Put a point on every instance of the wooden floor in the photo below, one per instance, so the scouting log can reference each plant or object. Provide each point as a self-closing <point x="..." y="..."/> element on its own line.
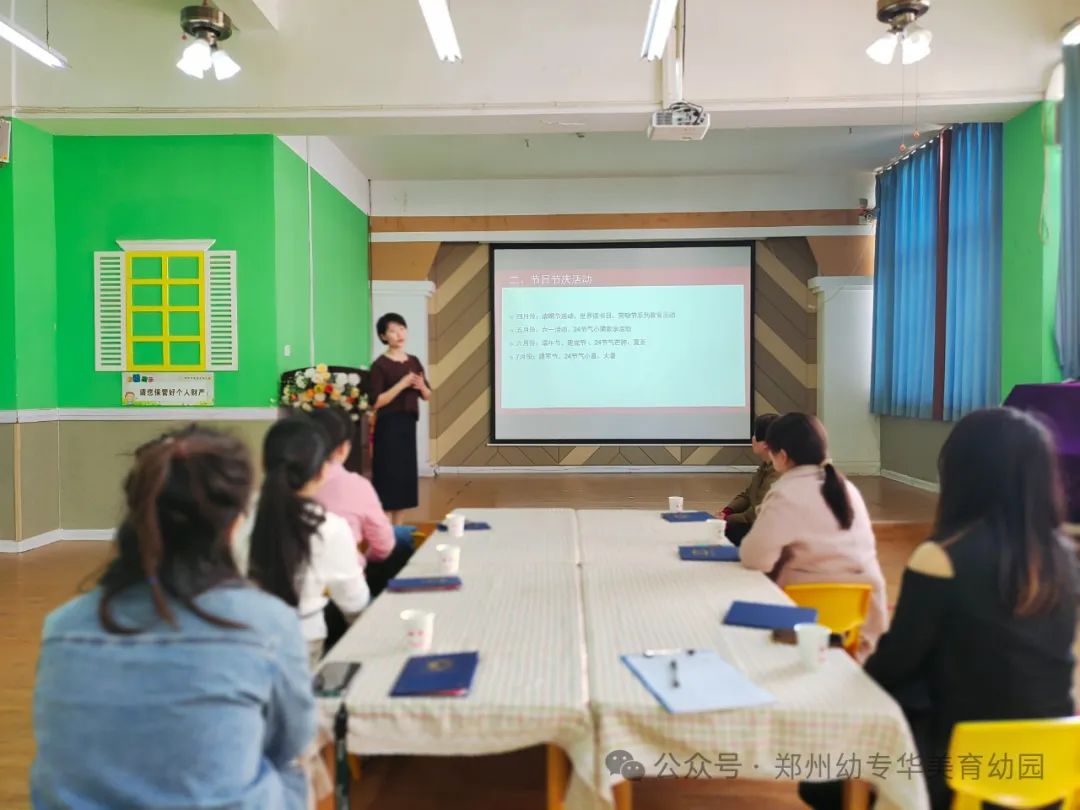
<point x="33" y="583"/>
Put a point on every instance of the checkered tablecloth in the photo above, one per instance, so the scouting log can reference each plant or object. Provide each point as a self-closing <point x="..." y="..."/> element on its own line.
<point x="638" y="595"/>
<point x="520" y="607"/>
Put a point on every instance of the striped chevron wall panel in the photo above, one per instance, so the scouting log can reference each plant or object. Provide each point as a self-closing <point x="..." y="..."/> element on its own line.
<point x="460" y="327"/>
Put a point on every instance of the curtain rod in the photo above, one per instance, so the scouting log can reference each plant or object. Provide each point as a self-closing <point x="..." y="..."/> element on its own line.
<point x="896" y="161"/>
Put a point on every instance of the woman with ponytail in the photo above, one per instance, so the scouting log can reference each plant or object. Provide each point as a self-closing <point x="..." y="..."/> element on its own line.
<point x="813" y="526"/>
<point x="174" y="683"/>
<point x="295" y="549"/>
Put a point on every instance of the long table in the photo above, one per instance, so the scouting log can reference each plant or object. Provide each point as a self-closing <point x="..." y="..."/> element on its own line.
<point x="551" y="600"/>
<point x="638" y="595"/>
<point x="520" y="607"/>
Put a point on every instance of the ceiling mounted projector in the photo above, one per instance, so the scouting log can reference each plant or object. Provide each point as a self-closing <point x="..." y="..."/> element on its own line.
<point x="207" y="26"/>
<point x="682" y="121"/>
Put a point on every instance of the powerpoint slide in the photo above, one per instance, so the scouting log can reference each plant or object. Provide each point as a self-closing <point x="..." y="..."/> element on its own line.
<point x="622" y="343"/>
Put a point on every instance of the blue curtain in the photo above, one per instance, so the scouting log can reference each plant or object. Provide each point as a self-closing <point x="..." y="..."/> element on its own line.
<point x="973" y="306"/>
<point x="1067" y="322"/>
<point x="905" y="278"/>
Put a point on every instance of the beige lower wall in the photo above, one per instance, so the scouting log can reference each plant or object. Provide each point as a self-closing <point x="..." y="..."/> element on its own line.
<point x="911" y="446"/>
<point x="39" y="477"/>
<point x="95" y="457"/>
<point x="7" y="482"/>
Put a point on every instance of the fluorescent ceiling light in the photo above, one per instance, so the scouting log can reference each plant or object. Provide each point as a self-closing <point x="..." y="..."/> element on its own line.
<point x="915" y="44"/>
<point x="31" y="45"/>
<point x="658" y="28"/>
<point x="1071" y="33"/>
<point x="197" y="59"/>
<point x="441" y="27"/>
<point x="883" y="48"/>
<point x="225" y="66"/>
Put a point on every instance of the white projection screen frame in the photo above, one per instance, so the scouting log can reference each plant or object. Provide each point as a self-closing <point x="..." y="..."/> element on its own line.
<point x="544" y="400"/>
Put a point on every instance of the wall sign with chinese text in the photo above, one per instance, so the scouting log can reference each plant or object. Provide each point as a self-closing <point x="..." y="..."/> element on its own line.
<point x="159" y="389"/>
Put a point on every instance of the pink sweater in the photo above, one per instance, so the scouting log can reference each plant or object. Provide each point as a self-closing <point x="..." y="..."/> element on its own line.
<point x="797" y="539"/>
<point x="353" y="497"/>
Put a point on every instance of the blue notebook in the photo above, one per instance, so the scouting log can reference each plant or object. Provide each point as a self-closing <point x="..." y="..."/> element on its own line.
<point x="769" y="617"/>
<point x="448" y="675"/>
<point x="700" y="681"/>
<point x="408" y="584"/>
<point x="709" y="553"/>
<point x="686" y="517"/>
<point x="470" y="526"/>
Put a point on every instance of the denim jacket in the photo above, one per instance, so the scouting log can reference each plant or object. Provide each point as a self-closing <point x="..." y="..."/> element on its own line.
<point x="194" y="717"/>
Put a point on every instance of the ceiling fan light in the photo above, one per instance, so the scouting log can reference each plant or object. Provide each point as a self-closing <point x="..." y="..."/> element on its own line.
<point x="1070" y="34"/>
<point x="915" y="44"/>
<point x="196" y="59"/>
<point x="883" y="49"/>
<point x="225" y="67"/>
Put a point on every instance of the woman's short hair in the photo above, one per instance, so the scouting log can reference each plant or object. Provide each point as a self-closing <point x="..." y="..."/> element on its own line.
<point x="384" y="323"/>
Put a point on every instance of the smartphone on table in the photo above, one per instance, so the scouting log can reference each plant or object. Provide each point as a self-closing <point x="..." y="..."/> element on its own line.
<point x="333" y="678"/>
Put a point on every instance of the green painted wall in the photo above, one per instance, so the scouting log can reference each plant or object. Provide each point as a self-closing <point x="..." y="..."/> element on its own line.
<point x="1031" y="227"/>
<point x="34" y="261"/>
<point x="342" y="287"/>
<point x="219" y="187"/>
<point x="7" y="292"/>
<point x="293" y="281"/>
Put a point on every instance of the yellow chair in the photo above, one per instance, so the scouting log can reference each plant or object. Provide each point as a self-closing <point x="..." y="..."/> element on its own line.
<point x="841" y="606"/>
<point x="1016" y="764"/>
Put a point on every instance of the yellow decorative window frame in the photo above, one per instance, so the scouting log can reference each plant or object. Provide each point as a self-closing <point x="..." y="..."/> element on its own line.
<point x="165" y="309"/>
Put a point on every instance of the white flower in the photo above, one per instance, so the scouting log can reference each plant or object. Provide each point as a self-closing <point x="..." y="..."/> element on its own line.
<point x="301" y="380"/>
<point x="310" y="373"/>
<point x="354" y="379"/>
<point x="320" y="397"/>
<point x="340" y="379"/>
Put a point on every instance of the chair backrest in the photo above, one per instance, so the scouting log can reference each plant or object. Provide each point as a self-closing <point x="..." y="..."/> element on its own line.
<point x="841" y="606"/>
<point x="1016" y="763"/>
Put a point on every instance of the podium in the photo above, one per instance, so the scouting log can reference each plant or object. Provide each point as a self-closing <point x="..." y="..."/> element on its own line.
<point x="359" y="460"/>
<point x="1058" y="406"/>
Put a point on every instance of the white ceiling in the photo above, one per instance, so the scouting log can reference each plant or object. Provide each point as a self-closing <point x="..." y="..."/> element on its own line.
<point x="365" y="72"/>
<point x="819" y="150"/>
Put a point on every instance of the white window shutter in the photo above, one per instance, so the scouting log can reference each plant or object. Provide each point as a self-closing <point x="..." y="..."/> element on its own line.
<point x="220" y="310"/>
<point x="110" y="334"/>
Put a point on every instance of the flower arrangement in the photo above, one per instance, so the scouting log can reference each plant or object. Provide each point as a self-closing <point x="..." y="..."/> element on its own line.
<point x="317" y="388"/>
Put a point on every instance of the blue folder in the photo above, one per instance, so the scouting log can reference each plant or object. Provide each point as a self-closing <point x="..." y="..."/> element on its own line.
<point x="686" y="517"/>
<point x="709" y="553"/>
<point x="407" y="584"/>
<point x="448" y="675"/>
<point x="769" y="617"/>
<point x="470" y="526"/>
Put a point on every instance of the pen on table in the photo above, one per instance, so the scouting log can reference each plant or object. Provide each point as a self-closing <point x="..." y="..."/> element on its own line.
<point x="674" y="673"/>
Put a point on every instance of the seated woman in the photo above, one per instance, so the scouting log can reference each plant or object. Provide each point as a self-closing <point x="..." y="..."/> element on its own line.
<point x="174" y="683"/>
<point x="986" y="621"/>
<point x="351" y="496"/>
<point x="742" y="511"/>
<point x="295" y="549"/>
<point x="813" y="526"/>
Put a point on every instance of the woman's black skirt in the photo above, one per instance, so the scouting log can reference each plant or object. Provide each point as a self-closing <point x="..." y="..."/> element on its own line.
<point x="393" y="462"/>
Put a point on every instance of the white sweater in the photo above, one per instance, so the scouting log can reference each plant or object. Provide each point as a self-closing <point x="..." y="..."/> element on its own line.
<point x="334" y="572"/>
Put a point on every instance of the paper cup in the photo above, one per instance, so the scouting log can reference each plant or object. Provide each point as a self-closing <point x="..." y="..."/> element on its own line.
<point x="675" y="503"/>
<point x="419" y="629"/>
<point x="455" y="525"/>
<point x="449" y="558"/>
<point x="813" y="641"/>
<point x="718" y="526"/>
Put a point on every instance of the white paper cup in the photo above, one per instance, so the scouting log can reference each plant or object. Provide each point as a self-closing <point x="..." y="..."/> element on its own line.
<point x="455" y="525"/>
<point x="449" y="558"/>
<point x="718" y="526"/>
<point x="813" y="641"/>
<point x="675" y="503"/>
<point x="419" y="629"/>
